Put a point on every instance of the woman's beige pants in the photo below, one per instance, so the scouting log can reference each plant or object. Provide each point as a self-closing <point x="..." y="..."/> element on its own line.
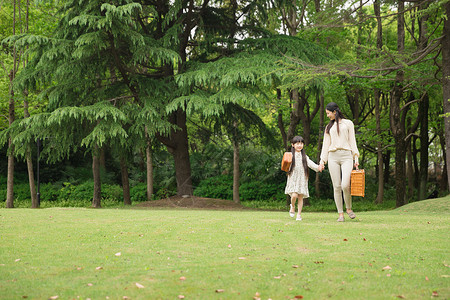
<point x="340" y="165"/>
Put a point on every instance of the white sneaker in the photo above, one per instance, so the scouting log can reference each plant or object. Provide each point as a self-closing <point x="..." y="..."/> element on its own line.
<point x="299" y="218"/>
<point x="292" y="214"/>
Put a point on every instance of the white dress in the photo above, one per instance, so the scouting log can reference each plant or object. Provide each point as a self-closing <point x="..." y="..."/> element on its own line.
<point x="297" y="181"/>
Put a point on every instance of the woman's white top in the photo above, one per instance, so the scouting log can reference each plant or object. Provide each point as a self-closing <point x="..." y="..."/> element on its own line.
<point x="345" y="140"/>
<point x="297" y="181"/>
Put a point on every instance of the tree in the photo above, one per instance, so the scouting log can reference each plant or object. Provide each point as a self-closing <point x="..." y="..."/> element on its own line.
<point x="98" y="52"/>
<point x="446" y="84"/>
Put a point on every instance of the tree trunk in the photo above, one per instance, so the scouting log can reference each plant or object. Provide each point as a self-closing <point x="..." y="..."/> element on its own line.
<point x="280" y="123"/>
<point x="11" y="118"/>
<point x="125" y="181"/>
<point x="409" y="166"/>
<point x="34" y="201"/>
<point x="10" y="179"/>
<point x="306" y="116"/>
<point x="387" y="166"/>
<point x="380" y="194"/>
<point x="423" y="173"/>
<point x="396" y="121"/>
<point x="149" y="164"/>
<point x="96" y="200"/>
<point x="180" y="152"/>
<point x="10" y="176"/>
<point x="423" y="112"/>
<point x="320" y="140"/>
<point x="446" y="86"/>
<point x="236" y="174"/>
<point x="295" y="117"/>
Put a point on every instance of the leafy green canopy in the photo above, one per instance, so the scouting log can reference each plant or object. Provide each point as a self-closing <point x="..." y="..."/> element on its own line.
<point x="99" y="52"/>
<point x="240" y="78"/>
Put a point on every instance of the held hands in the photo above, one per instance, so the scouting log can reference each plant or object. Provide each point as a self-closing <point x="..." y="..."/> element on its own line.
<point x="321" y="167"/>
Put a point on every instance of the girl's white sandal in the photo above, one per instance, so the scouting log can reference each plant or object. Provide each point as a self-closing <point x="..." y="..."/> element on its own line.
<point x="299" y="218"/>
<point x="292" y="214"/>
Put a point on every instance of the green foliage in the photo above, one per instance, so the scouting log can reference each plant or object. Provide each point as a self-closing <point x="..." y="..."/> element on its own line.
<point x="220" y="187"/>
<point x="138" y="193"/>
<point x="66" y="195"/>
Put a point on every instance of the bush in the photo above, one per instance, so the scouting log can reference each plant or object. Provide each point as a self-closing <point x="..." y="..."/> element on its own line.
<point x="138" y="193"/>
<point x="220" y="187"/>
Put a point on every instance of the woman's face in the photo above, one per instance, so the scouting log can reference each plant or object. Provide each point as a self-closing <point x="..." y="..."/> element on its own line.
<point x="331" y="114"/>
<point x="298" y="146"/>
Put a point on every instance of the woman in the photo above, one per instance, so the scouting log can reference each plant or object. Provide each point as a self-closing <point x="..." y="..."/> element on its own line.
<point x="340" y="151"/>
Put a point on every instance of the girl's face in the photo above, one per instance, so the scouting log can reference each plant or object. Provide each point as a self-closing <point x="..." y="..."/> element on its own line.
<point x="331" y="114"/>
<point x="298" y="146"/>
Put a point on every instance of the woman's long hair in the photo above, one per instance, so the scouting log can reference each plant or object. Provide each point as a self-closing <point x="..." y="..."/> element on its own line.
<point x="297" y="139"/>
<point x="334" y="107"/>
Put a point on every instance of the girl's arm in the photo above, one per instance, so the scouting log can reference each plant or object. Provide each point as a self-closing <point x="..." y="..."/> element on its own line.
<point x="312" y="165"/>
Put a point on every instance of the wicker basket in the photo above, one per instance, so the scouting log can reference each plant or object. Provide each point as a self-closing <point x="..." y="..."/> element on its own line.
<point x="357" y="183"/>
<point x="286" y="162"/>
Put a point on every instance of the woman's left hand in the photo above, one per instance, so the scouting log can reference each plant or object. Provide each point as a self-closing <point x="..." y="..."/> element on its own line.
<point x="356" y="165"/>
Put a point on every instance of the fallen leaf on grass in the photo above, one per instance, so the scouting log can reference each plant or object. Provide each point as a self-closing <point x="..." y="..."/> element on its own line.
<point x="387" y="268"/>
<point x="277" y="277"/>
<point x="426" y="278"/>
<point x="53" y="297"/>
<point x="17" y="260"/>
<point x="445" y="276"/>
<point x="401" y="296"/>
<point x="90" y="284"/>
<point x="118" y="254"/>
<point x="220" y="291"/>
<point x="125" y="298"/>
<point x="180" y="297"/>
<point x="298" y="297"/>
<point x="24" y="297"/>
<point x="345" y="240"/>
<point x="182" y="278"/>
<point x="435" y="294"/>
<point x="242" y="258"/>
<point x="229" y="246"/>
<point x="140" y="286"/>
<point x="388" y="275"/>
<point x="99" y="268"/>
<point x="318" y="262"/>
<point x="295" y="266"/>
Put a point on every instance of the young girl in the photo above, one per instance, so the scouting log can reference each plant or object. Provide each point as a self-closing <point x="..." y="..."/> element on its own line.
<point x="297" y="181"/>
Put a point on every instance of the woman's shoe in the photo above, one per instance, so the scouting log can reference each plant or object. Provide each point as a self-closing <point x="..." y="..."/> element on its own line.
<point x="292" y="214"/>
<point x="299" y="218"/>
<point x="340" y="219"/>
<point x="351" y="214"/>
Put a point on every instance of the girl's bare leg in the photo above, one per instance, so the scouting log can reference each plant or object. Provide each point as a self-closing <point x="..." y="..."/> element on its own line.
<point x="300" y="204"/>
<point x="294" y="197"/>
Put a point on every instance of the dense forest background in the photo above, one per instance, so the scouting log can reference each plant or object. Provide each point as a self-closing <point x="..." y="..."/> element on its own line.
<point x="138" y="100"/>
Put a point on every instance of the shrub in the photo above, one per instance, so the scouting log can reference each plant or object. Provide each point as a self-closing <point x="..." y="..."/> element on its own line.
<point x="138" y="193"/>
<point x="220" y="187"/>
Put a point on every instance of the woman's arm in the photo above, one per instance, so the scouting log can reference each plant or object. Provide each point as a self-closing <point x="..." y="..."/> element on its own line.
<point x="352" y="142"/>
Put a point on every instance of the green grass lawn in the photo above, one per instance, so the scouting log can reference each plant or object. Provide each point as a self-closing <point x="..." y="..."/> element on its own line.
<point x="78" y="253"/>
